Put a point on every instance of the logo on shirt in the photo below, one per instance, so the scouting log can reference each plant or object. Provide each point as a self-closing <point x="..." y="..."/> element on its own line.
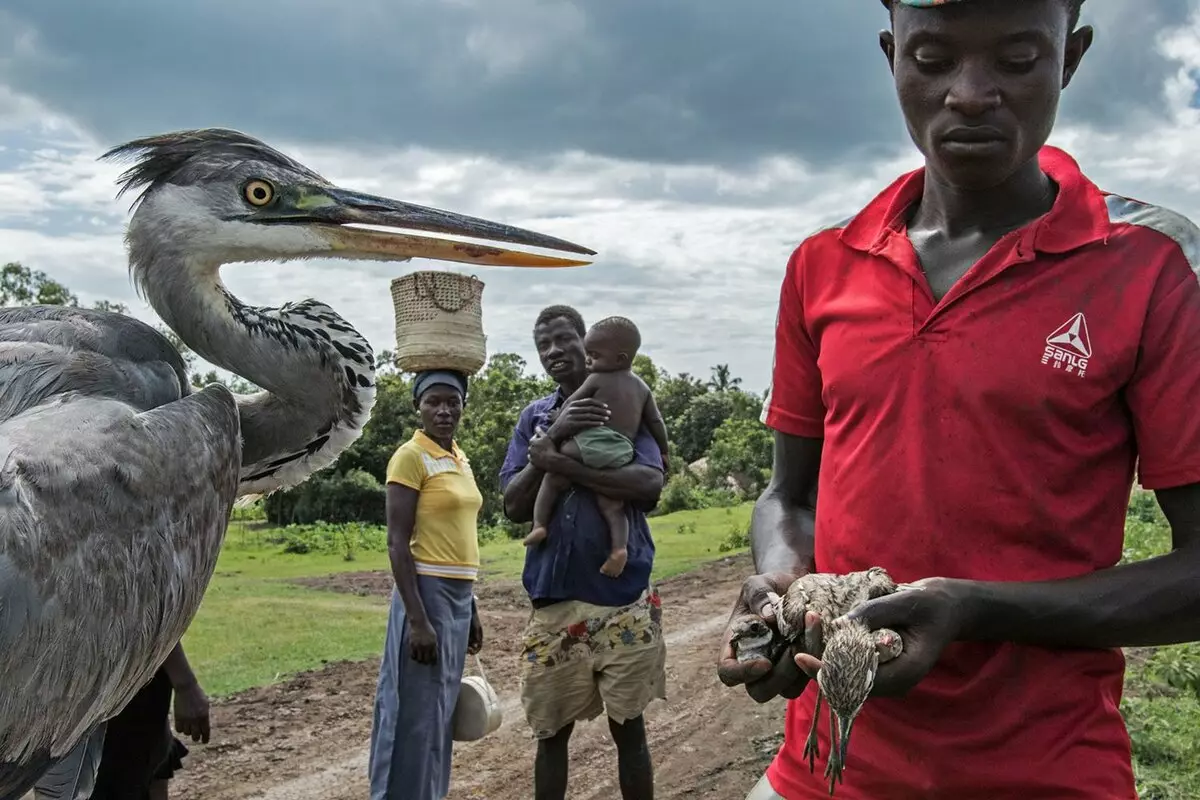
<point x="436" y="466"/>
<point x="1070" y="346"/>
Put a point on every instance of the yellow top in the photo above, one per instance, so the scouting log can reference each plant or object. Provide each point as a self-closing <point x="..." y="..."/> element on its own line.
<point x="445" y="542"/>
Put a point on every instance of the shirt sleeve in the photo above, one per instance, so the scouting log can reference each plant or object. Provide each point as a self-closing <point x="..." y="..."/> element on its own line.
<point x="406" y="468"/>
<point x="794" y="405"/>
<point x="518" y="449"/>
<point x="646" y="451"/>
<point x="1166" y="382"/>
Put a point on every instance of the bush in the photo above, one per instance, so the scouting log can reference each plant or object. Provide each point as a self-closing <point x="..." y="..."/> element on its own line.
<point x="684" y="492"/>
<point x="737" y="538"/>
<point x="353" y="496"/>
<point x="346" y="539"/>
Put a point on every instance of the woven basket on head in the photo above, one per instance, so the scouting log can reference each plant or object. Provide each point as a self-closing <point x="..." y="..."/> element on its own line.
<point x="439" y="322"/>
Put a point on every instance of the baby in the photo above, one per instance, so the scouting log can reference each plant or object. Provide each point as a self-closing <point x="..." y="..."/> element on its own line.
<point x="610" y="345"/>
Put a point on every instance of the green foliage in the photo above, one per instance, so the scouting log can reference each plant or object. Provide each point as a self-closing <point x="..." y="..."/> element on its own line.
<point x="741" y="448"/>
<point x="330" y="496"/>
<point x="344" y="539"/>
<point x="1161" y="704"/>
<point x="22" y="286"/>
<point x="736" y="538"/>
<point x="684" y="492"/>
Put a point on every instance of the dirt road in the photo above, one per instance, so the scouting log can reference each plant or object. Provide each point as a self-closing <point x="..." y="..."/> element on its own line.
<point x="306" y="739"/>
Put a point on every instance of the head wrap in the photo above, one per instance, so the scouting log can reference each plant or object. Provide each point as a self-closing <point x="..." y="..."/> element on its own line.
<point x="439" y="377"/>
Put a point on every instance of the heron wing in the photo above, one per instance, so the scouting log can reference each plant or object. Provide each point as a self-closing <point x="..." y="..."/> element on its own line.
<point x="115" y="492"/>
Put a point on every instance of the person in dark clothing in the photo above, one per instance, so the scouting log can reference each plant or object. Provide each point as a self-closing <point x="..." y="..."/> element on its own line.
<point x="140" y="752"/>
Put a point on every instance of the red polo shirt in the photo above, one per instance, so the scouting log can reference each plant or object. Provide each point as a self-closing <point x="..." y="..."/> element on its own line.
<point x="992" y="436"/>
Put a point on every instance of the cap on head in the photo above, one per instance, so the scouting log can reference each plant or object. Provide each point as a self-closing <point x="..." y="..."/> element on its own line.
<point x="424" y="381"/>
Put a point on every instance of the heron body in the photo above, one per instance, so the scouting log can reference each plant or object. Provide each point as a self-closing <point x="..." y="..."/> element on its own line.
<point x="117" y="479"/>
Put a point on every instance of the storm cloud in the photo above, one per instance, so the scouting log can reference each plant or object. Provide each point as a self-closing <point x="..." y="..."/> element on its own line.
<point x="670" y="81"/>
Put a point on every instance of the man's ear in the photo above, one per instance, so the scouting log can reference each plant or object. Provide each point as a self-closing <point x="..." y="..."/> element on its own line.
<point x="1078" y="43"/>
<point x="887" y="43"/>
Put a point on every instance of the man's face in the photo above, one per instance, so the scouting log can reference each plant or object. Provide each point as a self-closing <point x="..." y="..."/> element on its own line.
<point x="979" y="82"/>
<point x="560" y="349"/>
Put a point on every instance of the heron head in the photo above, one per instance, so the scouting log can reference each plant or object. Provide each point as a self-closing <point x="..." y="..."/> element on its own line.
<point x="225" y="196"/>
<point x="849" y="662"/>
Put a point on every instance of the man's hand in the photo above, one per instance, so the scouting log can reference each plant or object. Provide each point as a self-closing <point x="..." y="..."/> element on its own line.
<point x="475" y="639"/>
<point x="542" y="452"/>
<point x="577" y="416"/>
<point x="763" y="680"/>
<point x="423" y="642"/>
<point x="928" y="618"/>
<point x="191" y="713"/>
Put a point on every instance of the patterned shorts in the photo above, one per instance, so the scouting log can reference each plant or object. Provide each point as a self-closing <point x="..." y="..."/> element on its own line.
<point x="580" y="660"/>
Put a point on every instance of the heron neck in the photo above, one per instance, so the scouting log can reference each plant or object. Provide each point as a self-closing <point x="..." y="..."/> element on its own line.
<point x="304" y="387"/>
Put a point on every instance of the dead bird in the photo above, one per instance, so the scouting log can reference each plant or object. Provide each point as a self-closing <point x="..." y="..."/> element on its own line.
<point x="850" y="653"/>
<point x="752" y="638"/>
<point x="851" y="656"/>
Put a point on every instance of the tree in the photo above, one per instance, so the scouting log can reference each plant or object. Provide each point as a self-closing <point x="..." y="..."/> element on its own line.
<point x="22" y="286"/>
<point x="644" y="368"/>
<point x="742" y="449"/>
<point x="721" y="380"/>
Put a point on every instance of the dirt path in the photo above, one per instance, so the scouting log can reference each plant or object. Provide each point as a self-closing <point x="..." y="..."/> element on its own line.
<point x="306" y="739"/>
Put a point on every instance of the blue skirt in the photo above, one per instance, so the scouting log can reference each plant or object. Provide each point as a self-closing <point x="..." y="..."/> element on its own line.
<point x="411" y="737"/>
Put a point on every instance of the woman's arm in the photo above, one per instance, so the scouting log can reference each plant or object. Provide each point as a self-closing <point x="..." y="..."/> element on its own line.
<point x="401" y="522"/>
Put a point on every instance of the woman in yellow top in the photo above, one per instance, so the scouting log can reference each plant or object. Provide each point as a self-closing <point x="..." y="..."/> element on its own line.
<point x="432" y="508"/>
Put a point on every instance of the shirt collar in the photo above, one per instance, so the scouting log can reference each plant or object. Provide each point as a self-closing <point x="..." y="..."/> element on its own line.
<point x="434" y="449"/>
<point x="1078" y="217"/>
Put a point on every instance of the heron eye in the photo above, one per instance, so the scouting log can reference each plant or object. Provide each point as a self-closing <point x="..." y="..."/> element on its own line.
<point x="259" y="193"/>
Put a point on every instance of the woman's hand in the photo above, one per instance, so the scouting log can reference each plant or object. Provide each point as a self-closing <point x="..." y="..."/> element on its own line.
<point x="576" y="417"/>
<point x="475" y="640"/>
<point x="928" y="617"/>
<point x="191" y="712"/>
<point x="423" y="642"/>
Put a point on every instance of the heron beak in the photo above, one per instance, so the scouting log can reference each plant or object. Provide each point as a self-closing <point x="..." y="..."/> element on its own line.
<point x="329" y="210"/>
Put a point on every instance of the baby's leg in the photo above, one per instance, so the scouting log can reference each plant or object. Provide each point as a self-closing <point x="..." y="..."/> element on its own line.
<point x="548" y="494"/>
<point x="613" y="512"/>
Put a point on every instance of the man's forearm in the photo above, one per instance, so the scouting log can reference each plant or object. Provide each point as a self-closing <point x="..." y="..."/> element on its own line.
<point x="1149" y="603"/>
<point x="781" y="534"/>
<point x="633" y="483"/>
<point x="179" y="671"/>
<point x="521" y="493"/>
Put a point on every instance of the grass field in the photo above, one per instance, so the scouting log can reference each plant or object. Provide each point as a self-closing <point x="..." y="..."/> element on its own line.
<point x="255" y="628"/>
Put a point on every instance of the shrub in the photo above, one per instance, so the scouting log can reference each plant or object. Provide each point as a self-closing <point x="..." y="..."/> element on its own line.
<point x="684" y="492"/>
<point x="353" y="496"/>
<point x="346" y="539"/>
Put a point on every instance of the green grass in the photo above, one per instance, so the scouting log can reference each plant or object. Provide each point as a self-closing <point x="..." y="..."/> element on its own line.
<point x="254" y="628"/>
<point x="1162" y="688"/>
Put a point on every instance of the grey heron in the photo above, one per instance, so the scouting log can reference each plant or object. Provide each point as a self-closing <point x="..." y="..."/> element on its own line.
<point x="116" y="478"/>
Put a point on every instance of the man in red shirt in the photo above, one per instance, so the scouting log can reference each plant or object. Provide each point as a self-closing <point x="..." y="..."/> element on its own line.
<point x="968" y="372"/>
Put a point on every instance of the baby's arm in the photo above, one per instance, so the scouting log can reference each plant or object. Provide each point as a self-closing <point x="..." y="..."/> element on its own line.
<point x="653" y="420"/>
<point x="587" y="389"/>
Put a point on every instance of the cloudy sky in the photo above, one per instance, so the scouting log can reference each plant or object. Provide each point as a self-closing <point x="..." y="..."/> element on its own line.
<point x="692" y="143"/>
